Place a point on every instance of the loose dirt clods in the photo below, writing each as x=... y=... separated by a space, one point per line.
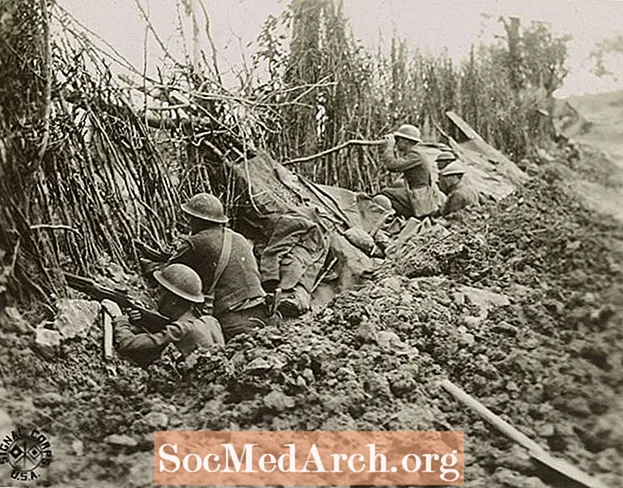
x=520 y=306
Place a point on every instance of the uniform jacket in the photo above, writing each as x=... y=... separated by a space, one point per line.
x=295 y=252
x=463 y=195
x=187 y=333
x=415 y=164
x=240 y=281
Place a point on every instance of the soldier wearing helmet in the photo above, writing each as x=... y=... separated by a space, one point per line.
x=455 y=184
x=416 y=196
x=225 y=262
x=444 y=158
x=180 y=289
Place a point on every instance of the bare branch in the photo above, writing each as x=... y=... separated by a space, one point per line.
x=151 y=28
x=47 y=98
x=217 y=72
x=354 y=142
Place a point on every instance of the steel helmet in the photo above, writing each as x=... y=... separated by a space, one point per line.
x=446 y=156
x=182 y=281
x=454 y=168
x=205 y=207
x=383 y=202
x=408 y=131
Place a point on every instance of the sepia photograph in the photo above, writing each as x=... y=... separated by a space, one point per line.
x=311 y=243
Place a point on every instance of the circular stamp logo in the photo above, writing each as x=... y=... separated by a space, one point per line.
x=25 y=450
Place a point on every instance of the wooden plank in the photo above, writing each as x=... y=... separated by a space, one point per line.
x=535 y=451
x=462 y=125
x=108 y=336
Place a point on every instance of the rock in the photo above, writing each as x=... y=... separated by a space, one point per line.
x=578 y=406
x=608 y=460
x=519 y=291
x=258 y=365
x=387 y=340
x=78 y=447
x=120 y=441
x=11 y=320
x=484 y=299
x=378 y=385
x=511 y=479
x=546 y=430
x=467 y=340
x=459 y=298
x=473 y=322
x=366 y=332
x=339 y=422
x=573 y=246
x=517 y=459
x=75 y=317
x=392 y=283
x=156 y=420
x=47 y=342
x=554 y=306
x=608 y=431
x=279 y=401
x=505 y=328
x=603 y=314
x=279 y=423
x=308 y=374
x=403 y=381
x=412 y=417
x=146 y=441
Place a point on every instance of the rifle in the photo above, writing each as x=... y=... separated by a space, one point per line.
x=152 y=253
x=151 y=320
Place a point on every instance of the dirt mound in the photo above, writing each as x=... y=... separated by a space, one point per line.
x=519 y=305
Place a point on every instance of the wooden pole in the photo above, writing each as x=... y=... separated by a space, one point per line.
x=194 y=8
x=108 y=336
x=353 y=142
x=535 y=451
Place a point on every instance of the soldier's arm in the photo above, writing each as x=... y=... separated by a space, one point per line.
x=393 y=162
x=143 y=347
x=182 y=254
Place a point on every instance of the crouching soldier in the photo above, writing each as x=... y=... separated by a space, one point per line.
x=456 y=185
x=179 y=292
x=417 y=196
x=225 y=262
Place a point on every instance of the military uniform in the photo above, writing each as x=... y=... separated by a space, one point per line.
x=463 y=195
x=238 y=295
x=187 y=333
x=416 y=196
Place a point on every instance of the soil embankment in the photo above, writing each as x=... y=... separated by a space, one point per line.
x=521 y=306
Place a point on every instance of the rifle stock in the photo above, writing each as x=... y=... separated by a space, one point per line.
x=151 y=253
x=150 y=319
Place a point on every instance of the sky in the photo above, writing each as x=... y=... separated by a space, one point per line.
x=433 y=26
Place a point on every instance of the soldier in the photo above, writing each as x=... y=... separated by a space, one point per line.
x=225 y=262
x=416 y=196
x=179 y=290
x=455 y=184
x=444 y=159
